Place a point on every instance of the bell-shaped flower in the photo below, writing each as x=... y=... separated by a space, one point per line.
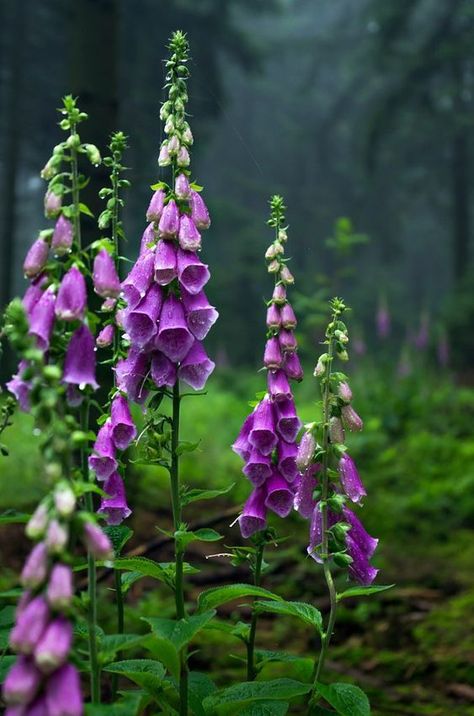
x=192 y=273
x=103 y=461
x=36 y=258
x=30 y=626
x=104 y=275
x=123 y=427
x=199 y=212
x=53 y=648
x=287 y=421
x=196 y=367
x=165 y=262
x=62 y=236
x=114 y=506
x=163 y=370
x=155 y=207
x=97 y=542
x=21 y=683
x=258 y=467
x=350 y=479
x=278 y=386
x=292 y=366
x=141 y=323
x=42 y=319
x=188 y=235
x=254 y=514
x=174 y=338
x=71 y=300
x=272 y=356
x=262 y=435
x=305 y=484
x=287 y=460
x=79 y=364
x=35 y=568
x=169 y=221
x=139 y=279
x=279 y=495
x=181 y=186
x=242 y=446
x=200 y=315
x=63 y=692
x=131 y=373
x=273 y=316
x=59 y=592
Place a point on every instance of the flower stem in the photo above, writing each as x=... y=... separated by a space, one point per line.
x=251 y=671
x=179 y=551
x=324 y=520
x=120 y=623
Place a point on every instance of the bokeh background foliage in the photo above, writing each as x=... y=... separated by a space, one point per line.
x=361 y=115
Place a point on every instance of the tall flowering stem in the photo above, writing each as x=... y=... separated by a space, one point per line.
x=267 y=440
x=329 y=480
x=167 y=313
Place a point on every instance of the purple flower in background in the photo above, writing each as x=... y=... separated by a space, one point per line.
x=421 y=339
x=22 y=682
x=123 y=427
x=79 y=364
x=36 y=258
x=62 y=236
x=114 y=507
x=53 y=648
x=104 y=275
x=42 y=319
x=350 y=479
x=382 y=320
x=106 y=336
x=63 y=692
x=20 y=388
x=97 y=542
x=29 y=626
x=103 y=461
x=59 y=592
x=36 y=567
x=72 y=296
x=33 y=294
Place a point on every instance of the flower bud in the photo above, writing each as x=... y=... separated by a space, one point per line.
x=288 y=318
x=187 y=135
x=52 y=203
x=336 y=431
x=36 y=258
x=273 y=266
x=59 y=592
x=351 y=419
x=54 y=645
x=30 y=624
x=273 y=316
x=183 y=159
x=62 y=236
x=286 y=276
x=155 y=207
x=181 y=186
x=21 y=683
x=199 y=212
x=38 y=522
x=320 y=369
x=104 y=275
x=105 y=337
x=173 y=145
x=169 y=124
x=282 y=235
x=272 y=357
x=36 y=567
x=56 y=537
x=97 y=542
x=279 y=294
x=343 y=355
x=164 y=158
x=342 y=559
x=165 y=110
x=64 y=499
x=306 y=449
x=344 y=392
x=93 y=154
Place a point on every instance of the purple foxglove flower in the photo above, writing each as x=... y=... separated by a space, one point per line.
x=52 y=204
x=189 y=237
x=192 y=273
x=33 y=294
x=174 y=338
x=23 y=602
x=199 y=212
x=279 y=495
x=344 y=392
x=164 y=158
x=254 y=515
x=106 y=336
x=358 y=533
x=38 y=522
x=286 y=276
x=169 y=222
x=360 y=569
x=155 y=207
x=173 y=145
x=39 y=707
x=286 y=460
x=262 y=435
x=278 y=386
x=279 y=294
x=196 y=367
x=165 y=262
x=71 y=300
x=306 y=450
x=272 y=356
x=336 y=431
x=103 y=461
x=22 y=682
x=200 y=315
x=62 y=237
x=273 y=316
x=30 y=626
x=141 y=322
x=64 y=499
x=288 y=318
x=382 y=321
x=63 y=692
x=36 y=258
x=109 y=305
x=79 y=364
x=74 y=397
x=242 y=446
x=287 y=422
x=350 y=418
x=19 y=710
x=258 y=467
x=20 y=388
x=182 y=158
x=163 y=371
x=287 y=341
x=36 y=567
x=139 y=279
x=60 y=591
x=97 y=542
x=42 y=319
x=181 y=186
x=148 y=240
x=56 y=537
x=292 y=366
x=104 y=275
x=115 y=506
x=131 y=374
x=305 y=485
x=123 y=427
x=350 y=479
x=54 y=646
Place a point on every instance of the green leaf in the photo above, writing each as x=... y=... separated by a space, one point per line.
x=363 y=591
x=164 y=651
x=147 y=673
x=110 y=644
x=266 y=708
x=195 y=495
x=158 y=185
x=204 y=535
x=7 y=616
x=230 y=700
x=265 y=656
x=306 y=612
x=11 y=517
x=129 y=705
x=221 y=595
x=146 y=567
x=200 y=686
x=186 y=446
x=179 y=632
x=6 y=662
x=85 y=210
x=348 y=700
x=119 y=535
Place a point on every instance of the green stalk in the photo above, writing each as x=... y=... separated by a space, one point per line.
x=179 y=551
x=251 y=671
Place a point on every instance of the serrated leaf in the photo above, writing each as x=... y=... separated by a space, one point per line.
x=119 y=535
x=200 y=686
x=179 y=631
x=204 y=535
x=147 y=673
x=306 y=612
x=10 y=517
x=363 y=591
x=266 y=708
x=230 y=700
x=216 y=596
x=146 y=567
x=195 y=495
x=110 y=644
x=348 y=700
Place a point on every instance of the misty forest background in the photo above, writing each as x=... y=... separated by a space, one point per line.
x=361 y=114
